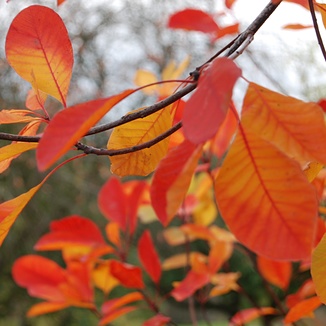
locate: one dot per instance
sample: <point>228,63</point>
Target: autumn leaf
<point>135,133</point>
<point>297,128</point>
<point>39,49</point>
<point>172,179</point>
<point>15,116</point>
<point>45,279</point>
<point>318,269</point>
<point>275,272</point>
<point>128,275</point>
<point>247,315</point>
<point>120,202</point>
<point>71,124</point>
<point>193,20</point>
<point>157,320</point>
<point>149,257</point>
<point>302,309</point>
<point>35,100</point>
<point>12,150</point>
<point>206,109</point>
<point>71,231</point>
<point>102,278</point>
<point>266,200</point>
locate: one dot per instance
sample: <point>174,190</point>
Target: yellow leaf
<point>312,170</point>
<point>15,149</point>
<point>135,133</point>
<point>102,277</point>
<point>144,77</point>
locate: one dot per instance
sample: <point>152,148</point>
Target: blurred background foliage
<point>111,40</point>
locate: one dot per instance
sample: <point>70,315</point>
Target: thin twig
<point>240,42</point>
<point>113,152</point>
<point>314,20</point>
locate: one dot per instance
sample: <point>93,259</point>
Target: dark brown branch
<point>113,152</point>
<point>145,112</point>
<point>314,20</point>
<point>241,40</point>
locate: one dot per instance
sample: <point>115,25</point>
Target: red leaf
<point>69,231</point>
<point>128,275</point>
<point>275,272</point>
<point>193,20</point>
<point>39,49</point>
<point>114,304</point>
<point>71,124</point>
<point>41,276</point>
<point>148,256</point>
<point>247,315</point>
<point>172,179</point>
<point>205,111</point>
<point>187,287</point>
<point>158,320</point>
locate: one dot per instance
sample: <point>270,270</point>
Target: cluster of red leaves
<point>278,145</point>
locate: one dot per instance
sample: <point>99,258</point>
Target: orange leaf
<point>247,315</point>
<point>45,308</point>
<point>136,133</point>
<point>219,253</point>
<point>157,320</point>
<point>221,141</point>
<point>172,179</point>
<point>306,290</point>
<point>149,257</point>
<point>71,231</point>
<point>302,309</point>
<point>318,269</point>
<point>15,116</point>
<point>187,287</point>
<point>266,200</point>
<point>114,304</point>
<point>193,20</point>
<point>275,272</point>
<point>112,231</point>
<point>108,318</point>
<point>206,110</point>
<point>322,9</point>
<point>35,99</point>
<point>10,210</point>
<point>128,275</point>
<point>71,124</point>
<point>224,283</point>
<point>297,128</point>
<point>297,26</point>
<point>39,49</point>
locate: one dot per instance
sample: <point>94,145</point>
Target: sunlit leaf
<point>248,315</point>
<point>193,20</point>
<point>312,170</point>
<point>275,272</point>
<point>15,149</point>
<point>144,77</point>
<point>149,257</point>
<point>266,200</point>
<point>303,309</point>
<point>71,124</point>
<point>39,49</point>
<point>10,210</point>
<point>172,179</point>
<point>297,128</point>
<point>71,231</point>
<point>135,133</point>
<point>15,116</point>
<point>206,109</point>
<point>35,99</point>
<point>128,275</point>
<point>318,269</point>
<point>219,253</point>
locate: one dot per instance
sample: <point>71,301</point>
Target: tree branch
<point>241,41</point>
<point>314,20</point>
